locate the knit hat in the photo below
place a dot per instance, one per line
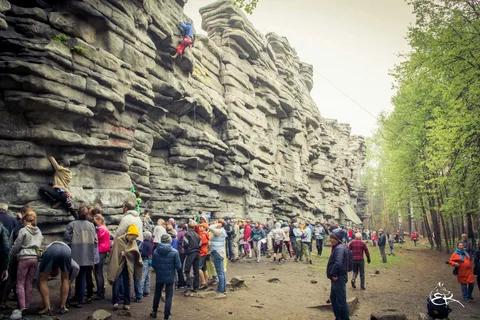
(133, 230)
(165, 238)
(337, 234)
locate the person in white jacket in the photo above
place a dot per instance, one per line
(131, 216)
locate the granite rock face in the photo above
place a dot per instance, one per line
(230, 127)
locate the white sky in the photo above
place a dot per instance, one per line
(352, 43)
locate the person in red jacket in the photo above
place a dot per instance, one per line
(414, 237)
(462, 262)
(358, 248)
(247, 237)
(202, 232)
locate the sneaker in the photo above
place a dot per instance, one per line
(16, 315)
(204, 287)
(116, 307)
(138, 300)
(220, 295)
(353, 284)
(63, 310)
(153, 315)
(126, 307)
(363, 288)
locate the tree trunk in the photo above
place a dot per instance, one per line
(445, 234)
(454, 233)
(426, 225)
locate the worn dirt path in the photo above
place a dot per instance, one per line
(402, 284)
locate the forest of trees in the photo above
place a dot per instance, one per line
(424, 160)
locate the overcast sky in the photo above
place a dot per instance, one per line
(352, 45)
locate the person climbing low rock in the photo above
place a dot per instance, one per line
(59, 193)
(187, 37)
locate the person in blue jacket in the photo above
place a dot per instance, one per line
(337, 273)
(165, 263)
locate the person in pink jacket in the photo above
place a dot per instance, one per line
(247, 237)
(103, 236)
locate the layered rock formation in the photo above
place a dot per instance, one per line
(229, 128)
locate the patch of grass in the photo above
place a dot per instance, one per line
(61, 38)
(78, 49)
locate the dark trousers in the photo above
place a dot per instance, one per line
(168, 298)
(123, 282)
(99, 277)
(319, 246)
(229, 243)
(192, 260)
(181, 279)
(382, 253)
(338, 297)
(81, 283)
(8, 285)
(54, 195)
(359, 267)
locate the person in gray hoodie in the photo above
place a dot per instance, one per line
(26, 249)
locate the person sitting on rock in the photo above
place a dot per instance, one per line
(59, 193)
(187, 40)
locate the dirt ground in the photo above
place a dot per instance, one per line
(402, 284)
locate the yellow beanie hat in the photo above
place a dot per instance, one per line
(133, 230)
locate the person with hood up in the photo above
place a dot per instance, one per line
(26, 249)
(358, 249)
(81, 236)
(337, 273)
(278, 239)
(463, 264)
(165, 263)
(131, 216)
(125, 264)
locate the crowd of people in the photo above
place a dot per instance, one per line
(191, 256)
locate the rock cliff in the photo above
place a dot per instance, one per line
(230, 127)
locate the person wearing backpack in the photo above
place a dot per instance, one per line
(337, 268)
(382, 242)
(358, 248)
(229, 228)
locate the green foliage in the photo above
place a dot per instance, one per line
(429, 146)
(78, 49)
(61, 37)
(247, 5)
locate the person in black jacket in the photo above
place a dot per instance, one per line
(191, 246)
(8, 221)
(382, 242)
(165, 263)
(337, 273)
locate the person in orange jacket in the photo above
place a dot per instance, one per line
(463, 264)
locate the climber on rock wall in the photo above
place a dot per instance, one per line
(58, 193)
(187, 40)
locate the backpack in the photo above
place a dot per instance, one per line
(348, 259)
(230, 231)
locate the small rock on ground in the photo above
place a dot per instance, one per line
(390, 314)
(100, 315)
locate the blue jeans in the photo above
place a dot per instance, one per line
(137, 283)
(218, 262)
(338, 297)
(123, 282)
(144, 287)
(467, 290)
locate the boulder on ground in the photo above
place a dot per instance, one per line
(100, 314)
(389, 314)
